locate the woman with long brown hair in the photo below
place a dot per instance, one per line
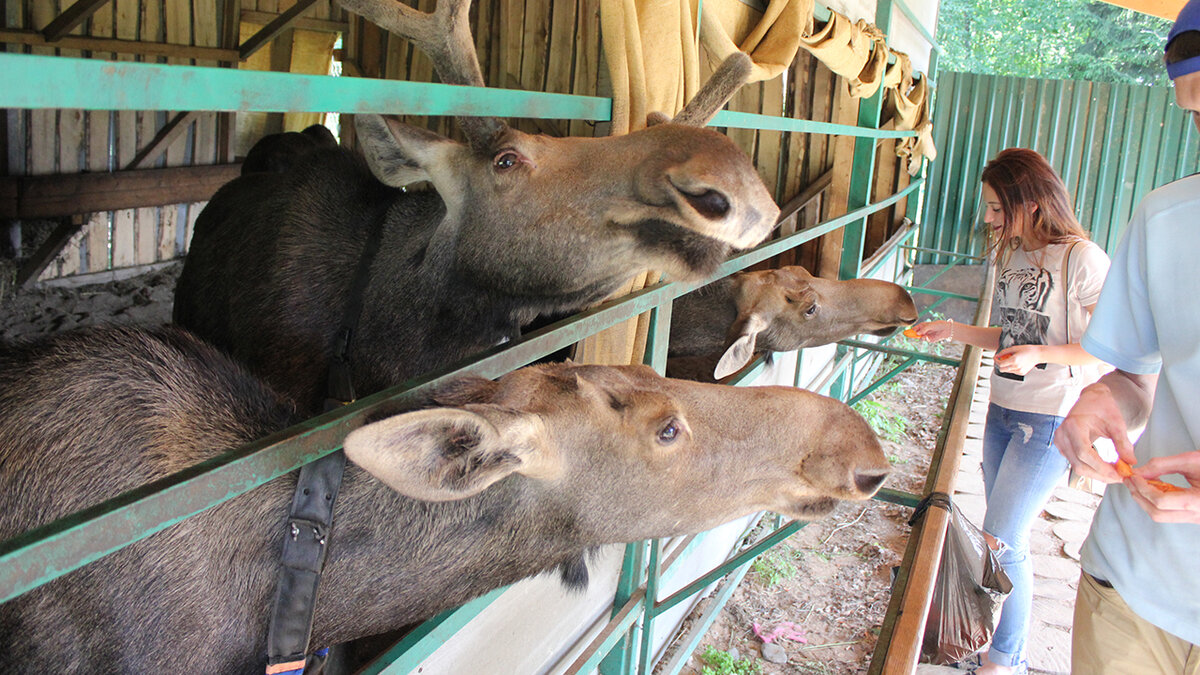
(1048, 280)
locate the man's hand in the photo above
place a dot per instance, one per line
(1095, 415)
(1181, 506)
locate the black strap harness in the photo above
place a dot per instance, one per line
(310, 519)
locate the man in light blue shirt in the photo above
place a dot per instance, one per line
(1138, 605)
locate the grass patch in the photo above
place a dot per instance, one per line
(773, 567)
(887, 424)
(719, 662)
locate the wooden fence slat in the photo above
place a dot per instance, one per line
(587, 58)
(98, 121)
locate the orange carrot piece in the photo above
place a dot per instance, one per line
(1124, 471)
(910, 333)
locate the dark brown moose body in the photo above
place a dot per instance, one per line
(501, 480)
(719, 327)
(517, 226)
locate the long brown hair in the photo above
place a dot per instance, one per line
(1020, 176)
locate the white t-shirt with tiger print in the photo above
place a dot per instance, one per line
(1032, 309)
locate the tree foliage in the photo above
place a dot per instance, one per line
(1052, 39)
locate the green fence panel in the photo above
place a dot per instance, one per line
(1111, 143)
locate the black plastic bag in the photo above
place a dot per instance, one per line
(970, 588)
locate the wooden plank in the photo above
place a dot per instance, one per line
(71, 19)
(880, 224)
(119, 46)
(562, 46)
(41, 265)
(274, 29)
(205, 33)
(770, 143)
(536, 49)
(163, 138)
(122, 230)
(512, 33)
(845, 112)
(71, 148)
(66, 195)
(98, 148)
(587, 59)
(168, 223)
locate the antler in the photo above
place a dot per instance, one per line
(733, 72)
(445, 36)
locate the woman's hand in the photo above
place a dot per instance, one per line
(1019, 359)
(934, 331)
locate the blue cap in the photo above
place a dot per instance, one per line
(1189, 19)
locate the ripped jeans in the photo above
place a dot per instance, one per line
(1021, 466)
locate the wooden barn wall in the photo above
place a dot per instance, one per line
(46, 142)
(534, 46)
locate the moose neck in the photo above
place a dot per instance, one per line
(702, 319)
(425, 557)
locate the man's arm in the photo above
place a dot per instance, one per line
(1108, 408)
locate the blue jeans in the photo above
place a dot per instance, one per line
(1021, 466)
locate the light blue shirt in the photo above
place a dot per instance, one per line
(1146, 321)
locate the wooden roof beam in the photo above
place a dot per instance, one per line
(70, 18)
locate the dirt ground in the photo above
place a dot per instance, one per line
(822, 594)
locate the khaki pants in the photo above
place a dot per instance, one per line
(1109, 639)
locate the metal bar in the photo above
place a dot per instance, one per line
(70, 18)
(652, 579)
(700, 628)
(619, 658)
(943, 294)
(418, 644)
(870, 389)
(906, 353)
(951, 254)
(270, 31)
(897, 497)
(745, 556)
(604, 643)
(127, 85)
(741, 120)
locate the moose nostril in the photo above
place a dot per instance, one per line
(868, 481)
(710, 203)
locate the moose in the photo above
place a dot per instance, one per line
(289, 269)
(479, 485)
(725, 322)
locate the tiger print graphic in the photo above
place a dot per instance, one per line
(1023, 321)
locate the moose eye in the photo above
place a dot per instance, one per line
(670, 432)
(811, 311)
(506, 159)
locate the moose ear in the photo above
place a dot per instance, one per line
(400, 154)
(742, 350)
(446, 454)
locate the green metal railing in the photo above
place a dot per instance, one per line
(41, 555)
